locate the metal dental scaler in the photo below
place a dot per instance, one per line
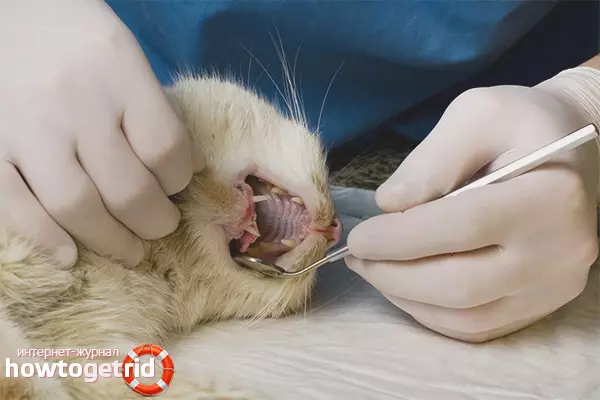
(511, 170)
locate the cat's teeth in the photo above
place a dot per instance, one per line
(289, 243)
(278, 191)
(298, 200)
(256, 199)
(253, 229)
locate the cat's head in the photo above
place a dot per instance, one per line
(264, 191)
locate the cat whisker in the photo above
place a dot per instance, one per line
(299, 92)
(305, 301)
(298, 114)
(351, 285)
(267, 308)
(339, 177)
(326, 94)
(270, 77)
(249, 69)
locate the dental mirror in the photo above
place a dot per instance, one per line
(273, 270)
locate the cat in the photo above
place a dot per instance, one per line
(264, 192)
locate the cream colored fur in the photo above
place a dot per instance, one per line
(186, 278)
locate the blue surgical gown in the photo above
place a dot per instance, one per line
(382, 63)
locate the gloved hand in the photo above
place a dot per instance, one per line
(89, 145)
(495, 259)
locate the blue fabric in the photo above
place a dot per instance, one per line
(391, 55)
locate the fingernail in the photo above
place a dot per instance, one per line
(354, 264)
(198, 160)
(389, 195)
(391, 187)
(358, 241)
(163, 226)
(66, 255)
(138, 250)
(174, 221)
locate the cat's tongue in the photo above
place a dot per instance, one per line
(246, 240)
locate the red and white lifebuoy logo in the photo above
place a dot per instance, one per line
(132, 369)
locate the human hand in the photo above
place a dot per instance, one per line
(494, 259)
(89, 146)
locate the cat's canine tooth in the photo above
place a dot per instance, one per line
(298, 200)
(289, 242)
(253, 229)
(278, 190)
(256, 199)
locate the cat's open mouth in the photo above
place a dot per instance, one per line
(276, 223)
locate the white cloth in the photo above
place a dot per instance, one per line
(353, 344)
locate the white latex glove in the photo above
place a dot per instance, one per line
(494, 259)
(89, 145)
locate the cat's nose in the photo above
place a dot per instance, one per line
(335, 230)
(333, 233)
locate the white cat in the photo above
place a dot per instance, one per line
(266, 175)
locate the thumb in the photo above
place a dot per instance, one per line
(455, 150)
